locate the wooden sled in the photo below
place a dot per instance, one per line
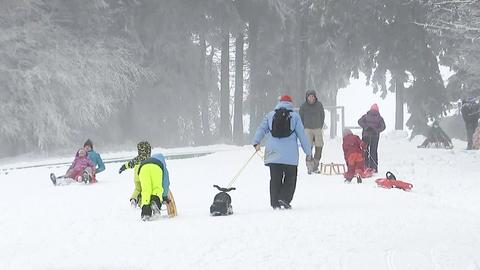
(171, 206)
(332, 169)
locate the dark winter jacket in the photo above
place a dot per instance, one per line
(372, 123)
(471, 114)
(312, 115)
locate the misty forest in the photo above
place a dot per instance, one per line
(199, 72)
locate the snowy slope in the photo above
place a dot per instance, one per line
(332, 225)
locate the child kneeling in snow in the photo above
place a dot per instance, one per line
(353, 148)
(81, 170)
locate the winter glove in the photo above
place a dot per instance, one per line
(123, 168)
(146, 211)
(309, 158)
(134, 202)
(257, 147)
(165, 200)
(363, 146)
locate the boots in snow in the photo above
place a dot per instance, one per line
(53, 178)
(284, 204)
(86, 177)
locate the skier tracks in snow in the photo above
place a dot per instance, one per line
(389, 259)
(171, 156)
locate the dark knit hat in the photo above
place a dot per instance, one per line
(89, 143)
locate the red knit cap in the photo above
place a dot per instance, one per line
(286, 98)
(374, 107)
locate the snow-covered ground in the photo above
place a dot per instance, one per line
(332, 225)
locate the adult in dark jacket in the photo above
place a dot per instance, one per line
(471, 114)
(312, 114)
(372, 124)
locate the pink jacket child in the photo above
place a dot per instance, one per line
(80, 164)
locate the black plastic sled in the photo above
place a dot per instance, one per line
(222, 202)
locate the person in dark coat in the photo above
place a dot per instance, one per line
(312, 114)
(471, 114)
(372, 124)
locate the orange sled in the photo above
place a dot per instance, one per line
(391, 182)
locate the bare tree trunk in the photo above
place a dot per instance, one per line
(333, 115)
(212, 117)
(399, 100)
(303, 48)
(254, 91)
(225, 126)
(238, 106)
(203, 92)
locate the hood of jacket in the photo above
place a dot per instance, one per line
(285, 104)
(311, 92)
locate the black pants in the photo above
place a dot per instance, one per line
(470, 131)
(283, 180)
(371, 155)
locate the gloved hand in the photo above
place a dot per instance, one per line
(146, 211)
(309, 158)
(134, 202)
(123, 168)
(257, 147)
(165, 200)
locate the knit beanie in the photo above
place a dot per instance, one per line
(89, 143)
(286, 98)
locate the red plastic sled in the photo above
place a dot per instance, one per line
(392, 182)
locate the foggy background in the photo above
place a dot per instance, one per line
(200, 72)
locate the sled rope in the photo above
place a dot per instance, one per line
(241, 170)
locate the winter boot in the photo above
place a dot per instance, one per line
(359, 179)
(86, 177)
(310, 166)
(348, 180)
(53, 178)
(156, 205)
(316, 162)
(146, 212)
(316, 158)
(284, 204)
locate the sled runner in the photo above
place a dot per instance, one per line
(222, 202)
(171, 206)
(332, 168)
(391, 182)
